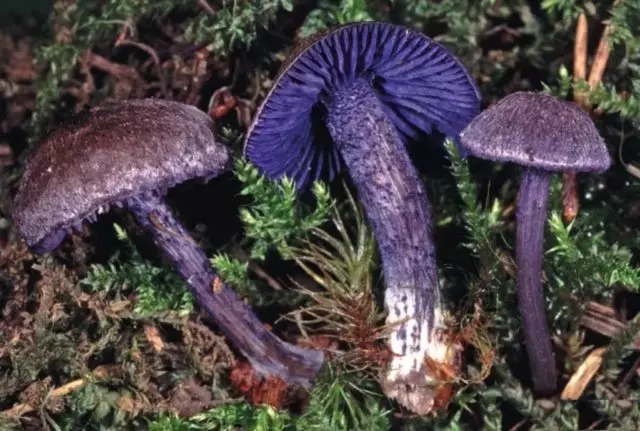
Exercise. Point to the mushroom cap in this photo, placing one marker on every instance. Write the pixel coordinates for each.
(539, 131)
(103, 156)
(421, 85)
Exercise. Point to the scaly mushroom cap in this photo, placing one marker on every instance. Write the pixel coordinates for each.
(114, 151)
(422, 86)
(539, 131)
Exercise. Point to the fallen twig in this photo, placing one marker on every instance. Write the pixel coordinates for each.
(570, 199)
(115, 69)
(600, 60)
(583, 375)
(154, 57)
(603, 320)
(206, 6)
(580, 56)
(24, 408)
(240, 254)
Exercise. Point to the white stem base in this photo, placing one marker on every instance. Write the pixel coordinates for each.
(411, 379)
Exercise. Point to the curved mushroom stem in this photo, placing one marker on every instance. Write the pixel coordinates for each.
(267, 353)
(396, 204)
(531, 218)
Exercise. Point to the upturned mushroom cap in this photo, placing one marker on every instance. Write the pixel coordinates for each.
(422, 86)
(114, 151)
(539, 131)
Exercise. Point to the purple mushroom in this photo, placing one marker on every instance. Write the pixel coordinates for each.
(544, 135)
(128, 154)
(354, 97)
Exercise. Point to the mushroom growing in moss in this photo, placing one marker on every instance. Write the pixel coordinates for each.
(128, 154)
(354, 97)
(544, 135)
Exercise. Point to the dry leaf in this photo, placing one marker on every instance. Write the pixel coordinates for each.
(153, 337)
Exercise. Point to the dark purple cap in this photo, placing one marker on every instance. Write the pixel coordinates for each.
(104, 156)
(539, 131)
(422, 86)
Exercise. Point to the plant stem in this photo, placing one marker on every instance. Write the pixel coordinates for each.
(531, 218)
(396, 204)
(266, 352)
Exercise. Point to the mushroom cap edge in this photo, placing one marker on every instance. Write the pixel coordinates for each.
(539, 131)
(107, 154)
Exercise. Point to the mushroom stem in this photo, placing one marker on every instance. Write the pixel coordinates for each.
(268, 354)
(396, 204)
(531, 218)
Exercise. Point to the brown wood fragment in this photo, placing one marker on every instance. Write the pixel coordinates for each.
(602, 320)
(583, 375)
(570, 199)
(24, 408)
(154, 338)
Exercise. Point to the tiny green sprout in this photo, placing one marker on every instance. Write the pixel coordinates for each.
(121, 234)
(231, 270)
(274, 217)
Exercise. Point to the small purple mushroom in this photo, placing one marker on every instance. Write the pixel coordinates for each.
(128, 154)
(544, 135)
(353, 97)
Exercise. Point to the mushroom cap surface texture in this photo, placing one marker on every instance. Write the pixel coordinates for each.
(538, 131)
(421, 85)
(114, 151)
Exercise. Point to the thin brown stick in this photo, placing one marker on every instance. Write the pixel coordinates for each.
(24, 408)
(115, 69)
(204, 4)
(518, 425)
(601, 57)
(240, 254)
(570, 199)
(580, 55)
(154, 57)
(600, 60)
(629, 374)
